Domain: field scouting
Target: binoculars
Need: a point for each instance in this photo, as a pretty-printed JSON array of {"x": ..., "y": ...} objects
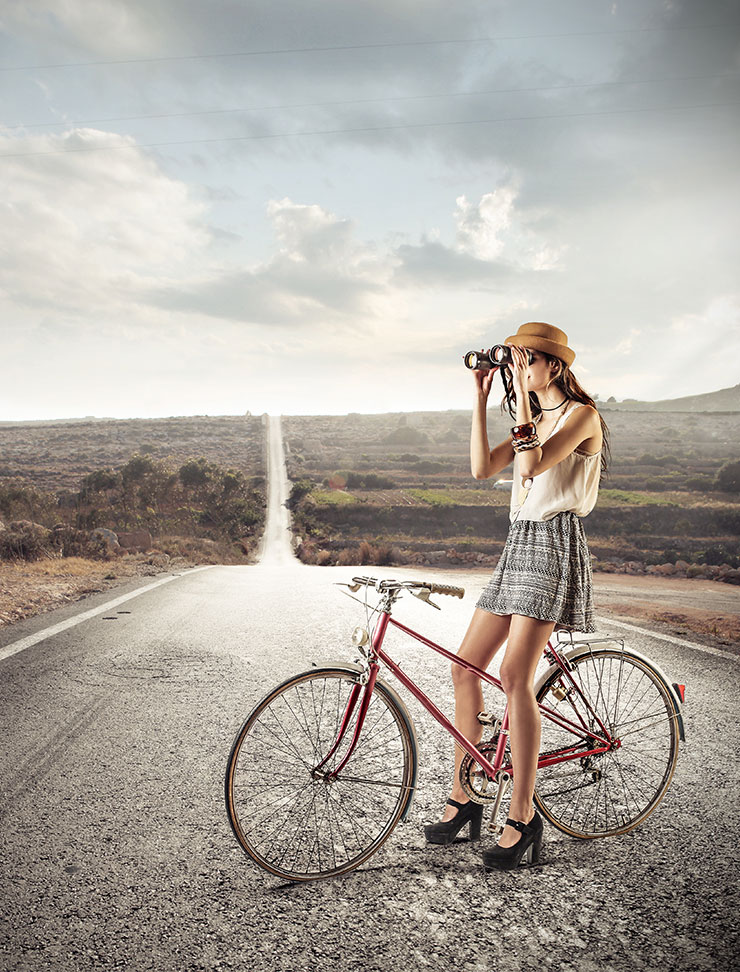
[{"x": 497, "y": 357}]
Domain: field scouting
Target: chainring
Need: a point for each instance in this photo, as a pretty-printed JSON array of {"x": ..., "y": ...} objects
[{"x": 478, "y": 787}]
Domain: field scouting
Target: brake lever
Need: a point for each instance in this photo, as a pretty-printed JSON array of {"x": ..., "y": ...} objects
[{"x": 424, "y": 594}]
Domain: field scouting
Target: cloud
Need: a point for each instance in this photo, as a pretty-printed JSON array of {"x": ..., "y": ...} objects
[
  {"x": 480, "y": 228},
  {"x": 84, "y": 233},
  {"x": 319, "y": 274},
  {"x": 493, "y": 229},
  {"x": 687, "y": 354},
  {"x": 495, "y": 244}
]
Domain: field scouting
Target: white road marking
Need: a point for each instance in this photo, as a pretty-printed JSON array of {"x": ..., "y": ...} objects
[
  {"x": 674, "y": 641},
  {"x": 34, "y": 639}
]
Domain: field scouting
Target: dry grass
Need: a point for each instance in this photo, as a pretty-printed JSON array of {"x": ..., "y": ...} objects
[
  {"x": 27, "y": 589},
  {"x": 61, "y": 567}
]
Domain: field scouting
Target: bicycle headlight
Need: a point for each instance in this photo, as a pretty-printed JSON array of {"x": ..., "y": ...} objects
[{"x": 360, "y": 636}]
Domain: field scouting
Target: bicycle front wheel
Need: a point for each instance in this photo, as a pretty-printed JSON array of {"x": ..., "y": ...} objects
[
  {"x": 609, "y": 793},
  {"x": 294, "y": 823}
]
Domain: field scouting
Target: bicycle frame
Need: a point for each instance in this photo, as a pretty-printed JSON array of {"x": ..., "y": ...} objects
[{"x": 601, "y": 740}]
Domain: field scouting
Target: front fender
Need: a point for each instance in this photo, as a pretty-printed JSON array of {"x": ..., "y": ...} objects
[{"x": 354, "y": 668}]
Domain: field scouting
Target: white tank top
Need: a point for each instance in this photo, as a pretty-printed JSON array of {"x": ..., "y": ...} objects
[{"x": 570, "y": 486}]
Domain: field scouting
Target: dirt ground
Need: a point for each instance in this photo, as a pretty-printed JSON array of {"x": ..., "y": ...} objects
[
  {"x": 705, "y": 610},
  {"x": 702, "y": 610},
  {"x": 27, "y": 589}
]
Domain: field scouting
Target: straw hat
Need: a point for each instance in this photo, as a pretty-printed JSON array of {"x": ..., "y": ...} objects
[{"x": 543, "y": 337}]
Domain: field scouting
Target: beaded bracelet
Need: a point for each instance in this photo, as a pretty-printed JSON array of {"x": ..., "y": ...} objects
[{"x": 524, "y": 445}]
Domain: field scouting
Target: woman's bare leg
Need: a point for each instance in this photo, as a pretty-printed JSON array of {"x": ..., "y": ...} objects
[
  {"x": 527, "y": 640},
  {"x": 485, "y": 635}
]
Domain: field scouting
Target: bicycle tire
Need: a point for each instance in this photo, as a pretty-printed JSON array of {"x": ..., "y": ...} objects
[
  {"x": 302, "y": 828},
  {"x": 611, "y": 793}
]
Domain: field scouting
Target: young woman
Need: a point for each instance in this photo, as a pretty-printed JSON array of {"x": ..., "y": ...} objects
[{"x": 559, "y": 445}]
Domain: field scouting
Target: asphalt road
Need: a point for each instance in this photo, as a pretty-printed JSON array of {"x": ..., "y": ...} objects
[{"x": 116, "y": 852}]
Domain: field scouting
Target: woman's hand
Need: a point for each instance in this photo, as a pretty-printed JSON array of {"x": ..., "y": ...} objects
[
  {"x": 484, "y": 379},
  {"x": 519, "y": 368}
]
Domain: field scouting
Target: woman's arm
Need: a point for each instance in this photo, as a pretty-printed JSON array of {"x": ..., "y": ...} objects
[
  {"x": 484, "y": 461},
  {"x": 577, "y": 429}
]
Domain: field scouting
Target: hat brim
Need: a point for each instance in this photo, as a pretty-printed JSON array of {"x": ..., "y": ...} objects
[{"x": 536, "y": 343}]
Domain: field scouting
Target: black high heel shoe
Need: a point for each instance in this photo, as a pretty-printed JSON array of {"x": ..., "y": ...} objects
[
  {"x": 529, "y": 846},
  {"x": 467, "y": 813}
]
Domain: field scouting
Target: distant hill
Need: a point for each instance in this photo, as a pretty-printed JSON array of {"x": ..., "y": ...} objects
[{"x": 724, "y": 400}]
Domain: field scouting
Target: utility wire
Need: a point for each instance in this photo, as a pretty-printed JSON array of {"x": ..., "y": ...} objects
[
  {"x": 364, "y": 130},
  {"x": 364, "y": 47},
  {"x": 368, "y": 101}
]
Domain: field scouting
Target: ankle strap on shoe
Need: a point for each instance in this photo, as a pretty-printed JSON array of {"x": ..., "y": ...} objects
[
  {"x": 517, "y": 825},
  {"x": 455, "y": 803}
]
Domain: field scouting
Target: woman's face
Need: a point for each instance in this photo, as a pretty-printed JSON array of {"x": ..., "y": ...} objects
[{"x": 540, "y": 371}]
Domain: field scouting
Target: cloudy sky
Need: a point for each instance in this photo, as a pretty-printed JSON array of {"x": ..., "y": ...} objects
[{"x": 292, "y": 207}]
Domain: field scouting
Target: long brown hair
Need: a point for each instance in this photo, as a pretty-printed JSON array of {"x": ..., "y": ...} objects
[{"x": 567, "y": 383}]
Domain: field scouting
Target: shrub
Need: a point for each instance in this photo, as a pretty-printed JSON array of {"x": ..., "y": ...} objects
[
  {"x": 66, "y": 541},
  {"x": 19, "y": 501},
  {"x": 700, "y": 484},
  {"x": 718, "y": 554},
  {"x": 728, "y": 477},
  {"x": 299, "y": 489},
  {"x": 369, "y": 480},
  {"x": 23, "y": 540}
]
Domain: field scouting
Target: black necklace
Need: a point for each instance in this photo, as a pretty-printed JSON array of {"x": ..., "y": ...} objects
[{"x": 554, "y": 407}]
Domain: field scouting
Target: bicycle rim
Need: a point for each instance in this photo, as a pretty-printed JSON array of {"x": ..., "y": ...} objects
[
  {"x": 300, "y": 827},
  {"x": 610, "y": 793}
]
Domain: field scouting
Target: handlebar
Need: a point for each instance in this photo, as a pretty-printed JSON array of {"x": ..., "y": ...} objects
[{"x": 411, "y": 585}]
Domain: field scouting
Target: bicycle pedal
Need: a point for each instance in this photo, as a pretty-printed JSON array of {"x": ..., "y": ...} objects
[{"x": 486, "y": 719}]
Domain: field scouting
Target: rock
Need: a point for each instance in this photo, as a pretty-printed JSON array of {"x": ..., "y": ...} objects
[
  {"x": 682, "y": 565},
  {"x": 109, "y": 538},
  {"x": 732, "y": 576},
  {"x": 108, "y": 535},
  {"x": 138, "y": 540}
]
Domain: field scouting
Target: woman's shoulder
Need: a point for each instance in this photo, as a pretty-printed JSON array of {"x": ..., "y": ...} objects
[{"x": 584, "y": 413}]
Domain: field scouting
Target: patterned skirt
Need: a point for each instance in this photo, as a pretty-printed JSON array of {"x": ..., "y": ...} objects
[{"x": 544, "y": 572}]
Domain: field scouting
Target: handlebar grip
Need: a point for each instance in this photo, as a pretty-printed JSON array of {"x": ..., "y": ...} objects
[{"x": 447, "y": 589}]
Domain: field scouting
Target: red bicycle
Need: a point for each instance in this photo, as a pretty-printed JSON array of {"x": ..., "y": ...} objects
[{"x": 325, "y": 765}]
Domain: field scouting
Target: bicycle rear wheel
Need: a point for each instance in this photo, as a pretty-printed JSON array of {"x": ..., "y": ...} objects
[
  {"x": 296, "y": 824},
  {"x": 610, "y": 793}
]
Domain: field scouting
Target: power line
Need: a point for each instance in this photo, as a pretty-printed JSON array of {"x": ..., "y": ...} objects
[
  {"x": 364, "y": 130},
  {"x": 368, "y": 101},
  {"x": 362, "y": 47}
]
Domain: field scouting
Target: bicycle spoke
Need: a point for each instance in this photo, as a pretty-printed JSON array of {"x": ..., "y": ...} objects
[
  {"x": 299, "y": 825},
  {"x": 608, "y": 792}
]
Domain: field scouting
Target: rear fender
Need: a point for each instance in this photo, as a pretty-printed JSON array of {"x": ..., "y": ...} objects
[{"x": 582, "y": 650}]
